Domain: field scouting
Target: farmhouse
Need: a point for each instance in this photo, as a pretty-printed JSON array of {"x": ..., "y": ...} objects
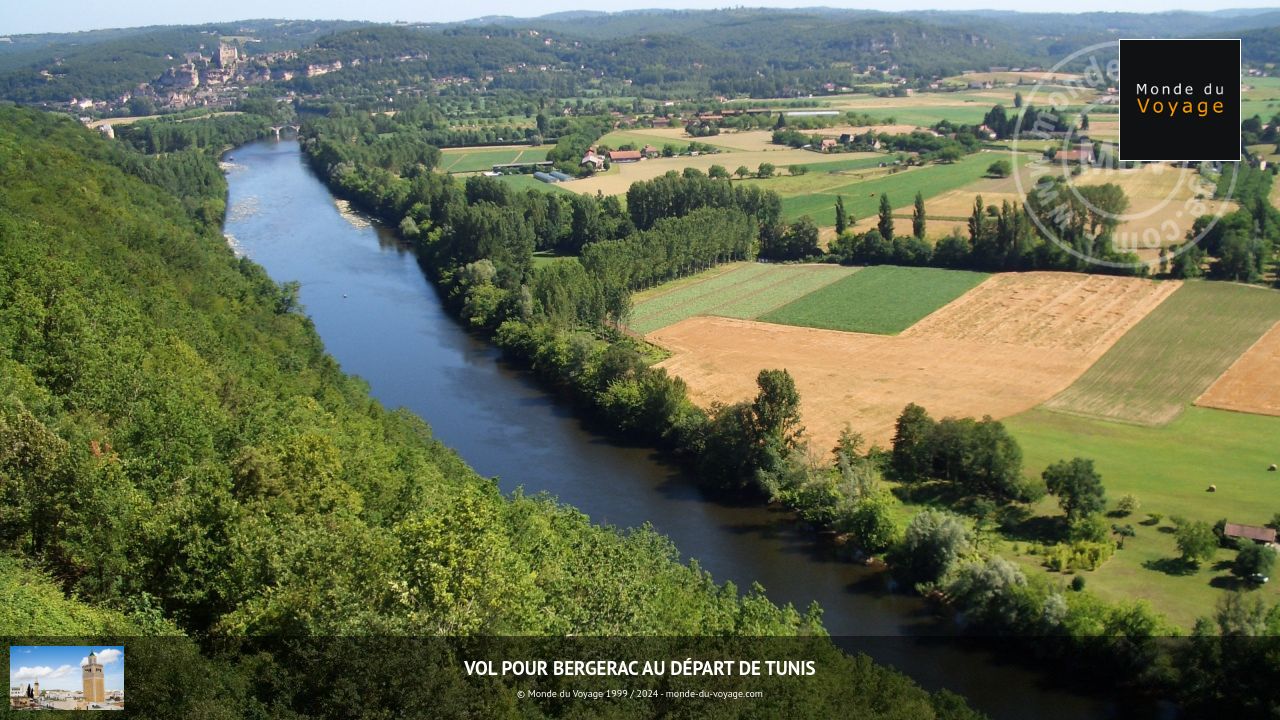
[
  {"x": 1083, "y": 155},
  {"x": 1257, "y": 534},
  {"x": 650, "y": 151},
  {"x": 828, "y": 144},
  {"x": 591, "y": 158},
  {"x": 624, "y": 156}
]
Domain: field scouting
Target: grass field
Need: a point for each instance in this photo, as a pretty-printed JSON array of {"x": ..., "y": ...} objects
[
  {"x": 476, "y": 159},
  {"x": 1172, "y": 356},
  {"x": 862, "y": 198},
  {"x": 1169, "y": 469},
  {"x": 529, "y": 182},
  {"x": 885, "y": 299},
  {"x": 743, "y": 290}
]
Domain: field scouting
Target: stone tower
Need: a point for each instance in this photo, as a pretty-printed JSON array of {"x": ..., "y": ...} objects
[
  {"x": 228, "y": 55},
  {"x": 93, "y": 692}
]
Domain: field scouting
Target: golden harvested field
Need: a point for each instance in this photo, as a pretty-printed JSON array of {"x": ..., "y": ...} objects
[
  {"x": 1002, "y": 348},
  {"x": 749, "y": 140},
  {"x": 621, "y": 175},
  {"x": 1252, "y": 383}
]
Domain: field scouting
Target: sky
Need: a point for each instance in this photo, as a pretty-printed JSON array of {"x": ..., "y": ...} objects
[
  {"x": 57, "y": 667},
  {"x": 18, "y": 17}
]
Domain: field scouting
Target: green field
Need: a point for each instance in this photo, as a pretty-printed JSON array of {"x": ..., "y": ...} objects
[
  {"x": 1172, "y": 355},
  {"x": 1169, "y": 469},
  {"x": 460, "y": 160},
  {"x": 529, "y": 182},
  {"x": 885, "y": 299},
  {"x": 862, "y": 198},
  {"x": 743, "y": 290}
]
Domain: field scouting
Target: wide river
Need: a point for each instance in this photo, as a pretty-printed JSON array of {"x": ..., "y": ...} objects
[{"x": 382, "y": 320}]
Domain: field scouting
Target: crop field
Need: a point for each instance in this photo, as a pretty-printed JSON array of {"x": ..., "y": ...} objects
[
  {"x": 747, "y": 290},
  {"x": 1252, "y": 383},
  {"x": 1169, "y": 469},
  {"x": 622, "y": 175},
  {"x": 862, "y": 198},
  {"x": 476, "y": 159},
  {"x": 885, "y": 299},
  {"x": 1172, "y": 356},
  {"x": 1000, "y": 349}
]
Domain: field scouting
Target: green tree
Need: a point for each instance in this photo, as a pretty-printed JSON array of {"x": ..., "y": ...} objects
[
  {"x": 765, "y": 170},
  {"x": 932, "y": 544},
  {"x": 885, "y": 223},
  {"x": 1078, "y": 487},
  {"x": 842, "y": 220},
  {"x": 912, "y": 455},
  {"x": 1196, "y": 541},
  {"x": 718, "y": 172},
  {"x": 872, "y": 525},
  {"x": 999, "y": 169},
  {"x": 742, "y": 171},
  {"x": 1253, "y": 559},
  {"x": 917, "y": 217},
  {"x": 777, "y": 407}
]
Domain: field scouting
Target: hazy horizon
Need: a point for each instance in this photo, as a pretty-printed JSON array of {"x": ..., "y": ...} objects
[{"x": 60, "y": 16}]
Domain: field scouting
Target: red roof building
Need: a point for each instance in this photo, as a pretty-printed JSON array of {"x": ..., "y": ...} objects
[
  {"x": 624, "y": 156},
  {"x": 1250, "y": 532}
]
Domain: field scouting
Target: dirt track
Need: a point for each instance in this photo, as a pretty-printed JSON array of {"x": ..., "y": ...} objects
[
  {"x": 1252, "y": 383},
  {"x": 1003, "y": 348}
]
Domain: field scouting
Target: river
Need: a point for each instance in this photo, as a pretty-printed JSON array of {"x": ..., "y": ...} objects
[{"x": 382, "y": 320}]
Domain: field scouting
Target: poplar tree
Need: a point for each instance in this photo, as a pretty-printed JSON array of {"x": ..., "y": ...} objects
[
  {"x": 886, "y": 218},
  {"x": 917, "y": 219}
]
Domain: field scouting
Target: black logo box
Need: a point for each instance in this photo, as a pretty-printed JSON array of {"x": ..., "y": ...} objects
[{"x": 1180, "y": 137}]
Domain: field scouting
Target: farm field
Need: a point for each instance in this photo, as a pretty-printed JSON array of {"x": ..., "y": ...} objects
[
  {"x": 862, "y": 198},
  {"x": 745, "y": 291},
  {"x": 1172, "y": 356},
  {"x": 476, "y": 159},
  {"x": 1046, "y": 328},
  {"x": 885, "y": 299},
  {"x": 1252, "y": 383},
  {"x": 1169, "y": 469},
  {"x": 622, "y": 175},
  {"x": 529, "y": 182}
]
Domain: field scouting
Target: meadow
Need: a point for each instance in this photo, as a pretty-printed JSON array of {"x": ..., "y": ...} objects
[
  {"x": 742, "y": 290},
  {"x": 1173, "y": 354},
  {"x": 477, "y": 159},
  {"x": 1169, "y": 470},
  {"x": 884, "y": 299},
  {"x": 862, "y": 197}
]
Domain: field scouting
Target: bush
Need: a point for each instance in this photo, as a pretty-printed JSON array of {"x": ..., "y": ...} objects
[
  {"x": 1127, "y": 505},
  {"x": 1077, "y": 583},
  {"x": 1081, "y": 555},
  {"x": 999, "y": 169},
  {"x": 872, "y": 525}
]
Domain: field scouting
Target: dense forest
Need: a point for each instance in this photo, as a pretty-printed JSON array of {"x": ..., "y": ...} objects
[{"x": 179, "y": 456}]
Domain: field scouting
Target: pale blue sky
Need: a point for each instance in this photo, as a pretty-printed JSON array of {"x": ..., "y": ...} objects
[{"x": 26, "y": 16}]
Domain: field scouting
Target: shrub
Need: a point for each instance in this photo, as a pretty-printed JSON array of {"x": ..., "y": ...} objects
[
  {"x": 1077, "y": 583},
  {"x": 872, "y": 525},
  {"x": 1127, "y": 505}
]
